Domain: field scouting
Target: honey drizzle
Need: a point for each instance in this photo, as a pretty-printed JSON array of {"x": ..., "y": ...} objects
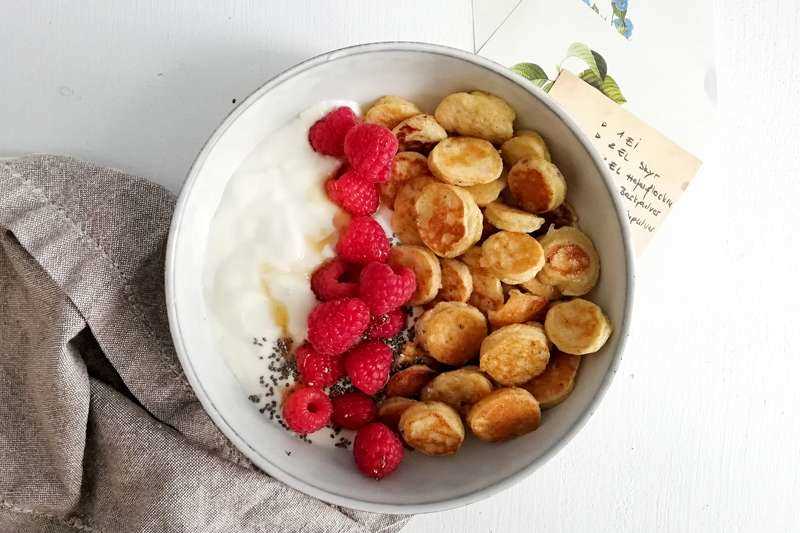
[{"x": 278, "y": 309}]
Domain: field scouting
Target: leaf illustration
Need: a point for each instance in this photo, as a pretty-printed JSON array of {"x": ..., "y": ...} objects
[
  {"x": 601, "y": 64},
  {"x": 547, "y": 86},
  {"x": 589, "y": 77},
  {"x": 611, "y": 89},
  {"x": 583, "y": 52},
  {"x": 533, "y": 72}
]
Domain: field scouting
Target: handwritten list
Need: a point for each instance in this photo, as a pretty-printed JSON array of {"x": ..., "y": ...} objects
[{"x": 651, "y": 172}]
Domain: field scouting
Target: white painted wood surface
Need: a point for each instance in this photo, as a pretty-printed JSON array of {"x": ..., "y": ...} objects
[{"x": 699, "y": 431}]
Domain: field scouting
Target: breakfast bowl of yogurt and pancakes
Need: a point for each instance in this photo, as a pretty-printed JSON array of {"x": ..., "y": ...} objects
[{"x": 399, "y": 278}]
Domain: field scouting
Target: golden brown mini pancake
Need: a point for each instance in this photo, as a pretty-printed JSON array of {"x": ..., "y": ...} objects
[
  {"x": 465, "y": 161},
  {"x": 409, "y": 381},
  {"x": 504, "y": 414},
  {"x": 433, "y": 428},
  {"x": 404, "y": 215},
  {"x": 537, "y": 185},
  {"x": 451, "y": 332},
  {"x": 456, "y": 281},
  {"x": 389, "y": 111},
  {"x": 577, "y": 326},
  {"x": 571, "y": 261},
  {"x": 515, "y": 354},
  {"x": 552, "y": 386},
  {"x": 512, "y": 257},
  {"x": 477, "y": 114},
  {"x": 524, "y": 144},
  {"x": 458, "y": 388},
  {"x": 448, "y": 219}
]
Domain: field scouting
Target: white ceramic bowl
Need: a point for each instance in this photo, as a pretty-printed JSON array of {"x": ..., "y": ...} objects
[{"x": 423, "y": 73}]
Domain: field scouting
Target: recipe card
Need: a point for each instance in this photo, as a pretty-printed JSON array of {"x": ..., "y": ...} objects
[
  {"x": 651, "y": 172},
  {"x": 635, "y": 75}
]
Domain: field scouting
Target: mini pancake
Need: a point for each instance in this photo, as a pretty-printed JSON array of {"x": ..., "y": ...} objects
[
  {"x": 504, "y": 414},
  {"x": 458, "y": 388},
  {"x": 448, "y": 219},
  {"x": 577, "y": 326},
  {"x": 552, "y": 386},
  {"x": 571, "y": 261},
  {"x": 486, "y": 193},
  {"x": 525, "y": 144},
  {"x": 537, "y": 185},
  {"x": 433, "y": 428},
  {"x": 512, "y": 257},
  {"x": 409, "y": 381},
  {"x": 451, "y": 332},
  {"x": 404, "y": 214},
  {"x": 389, "y": 111},
  {"x": 515, "y": 354},
  {"x": 509, "y": 218},
  {"x": 477, "y": 114},
  {"x": 465, "y": 161},
  {"x": 456, "y": 281}
]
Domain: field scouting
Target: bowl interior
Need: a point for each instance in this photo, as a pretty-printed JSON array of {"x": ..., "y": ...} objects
[{"x": 424, "y": 75}]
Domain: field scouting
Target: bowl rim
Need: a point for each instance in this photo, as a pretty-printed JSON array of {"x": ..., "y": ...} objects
[{"x": 230, "y": 432}]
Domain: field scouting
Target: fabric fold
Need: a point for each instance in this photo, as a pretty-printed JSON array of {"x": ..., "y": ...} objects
[{"x": 99, "y": 429}]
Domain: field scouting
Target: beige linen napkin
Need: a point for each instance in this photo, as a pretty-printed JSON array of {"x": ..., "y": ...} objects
[{"x": 99, "y": 429}]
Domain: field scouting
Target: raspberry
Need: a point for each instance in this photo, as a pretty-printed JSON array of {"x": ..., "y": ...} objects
[
  {"x": 327, "y": 134},
  {"x": 385, "y": 288},
  {"x": 306, "y": 410},
  {"x": 363, "y": 241},
  {"x": 368, "y": 365},
  {"x": 377, "y": 450},
  {"x": 386, "y": 326},
  {"x": 334, "y": 279},
  {"x": 336, "y": 326},
  {"x": 317, "y": 370},
  {"x": 352, "y": 410},
  {"x": 370, "y": 149},
  {"x": 353, "y": 193}
]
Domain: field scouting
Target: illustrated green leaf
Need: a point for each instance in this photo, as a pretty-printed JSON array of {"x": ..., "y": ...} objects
[
  {"x": 589, "y": 77},
  {"x": 583, "y": 52},
  {"x": 547, "y": 86},
  {"x": 532, "y": 72},
  {"x": 601, "y": 64},
  {"x": 611, "y": 89}
]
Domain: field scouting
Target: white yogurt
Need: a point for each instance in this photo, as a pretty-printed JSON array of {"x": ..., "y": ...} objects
[{"x": 273, "y": 227}]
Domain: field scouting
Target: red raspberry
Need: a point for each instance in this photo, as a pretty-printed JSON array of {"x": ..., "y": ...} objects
[
  {"x": 352, "y": 410},
  {"x": 327, "y": 134},
  {"x": 353, "y": 193},
  {"x": 385, "y": 288},
  {"x": 363, "y": 241},
  {"x": 334, "y": 279},
  {"x": 386, "y": 326},
  {"x": 336, "y": 326},
  {"x": 370, "y": 149},
  {"x": 306, "y": 410},
  {"x": 317, "y": 370},
  {"x": 367, "y": 365},
  {"x": 377, "y": 450}
]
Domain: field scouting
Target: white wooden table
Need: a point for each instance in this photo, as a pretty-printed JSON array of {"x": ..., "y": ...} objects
[{"x": 699, "y": 432}]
